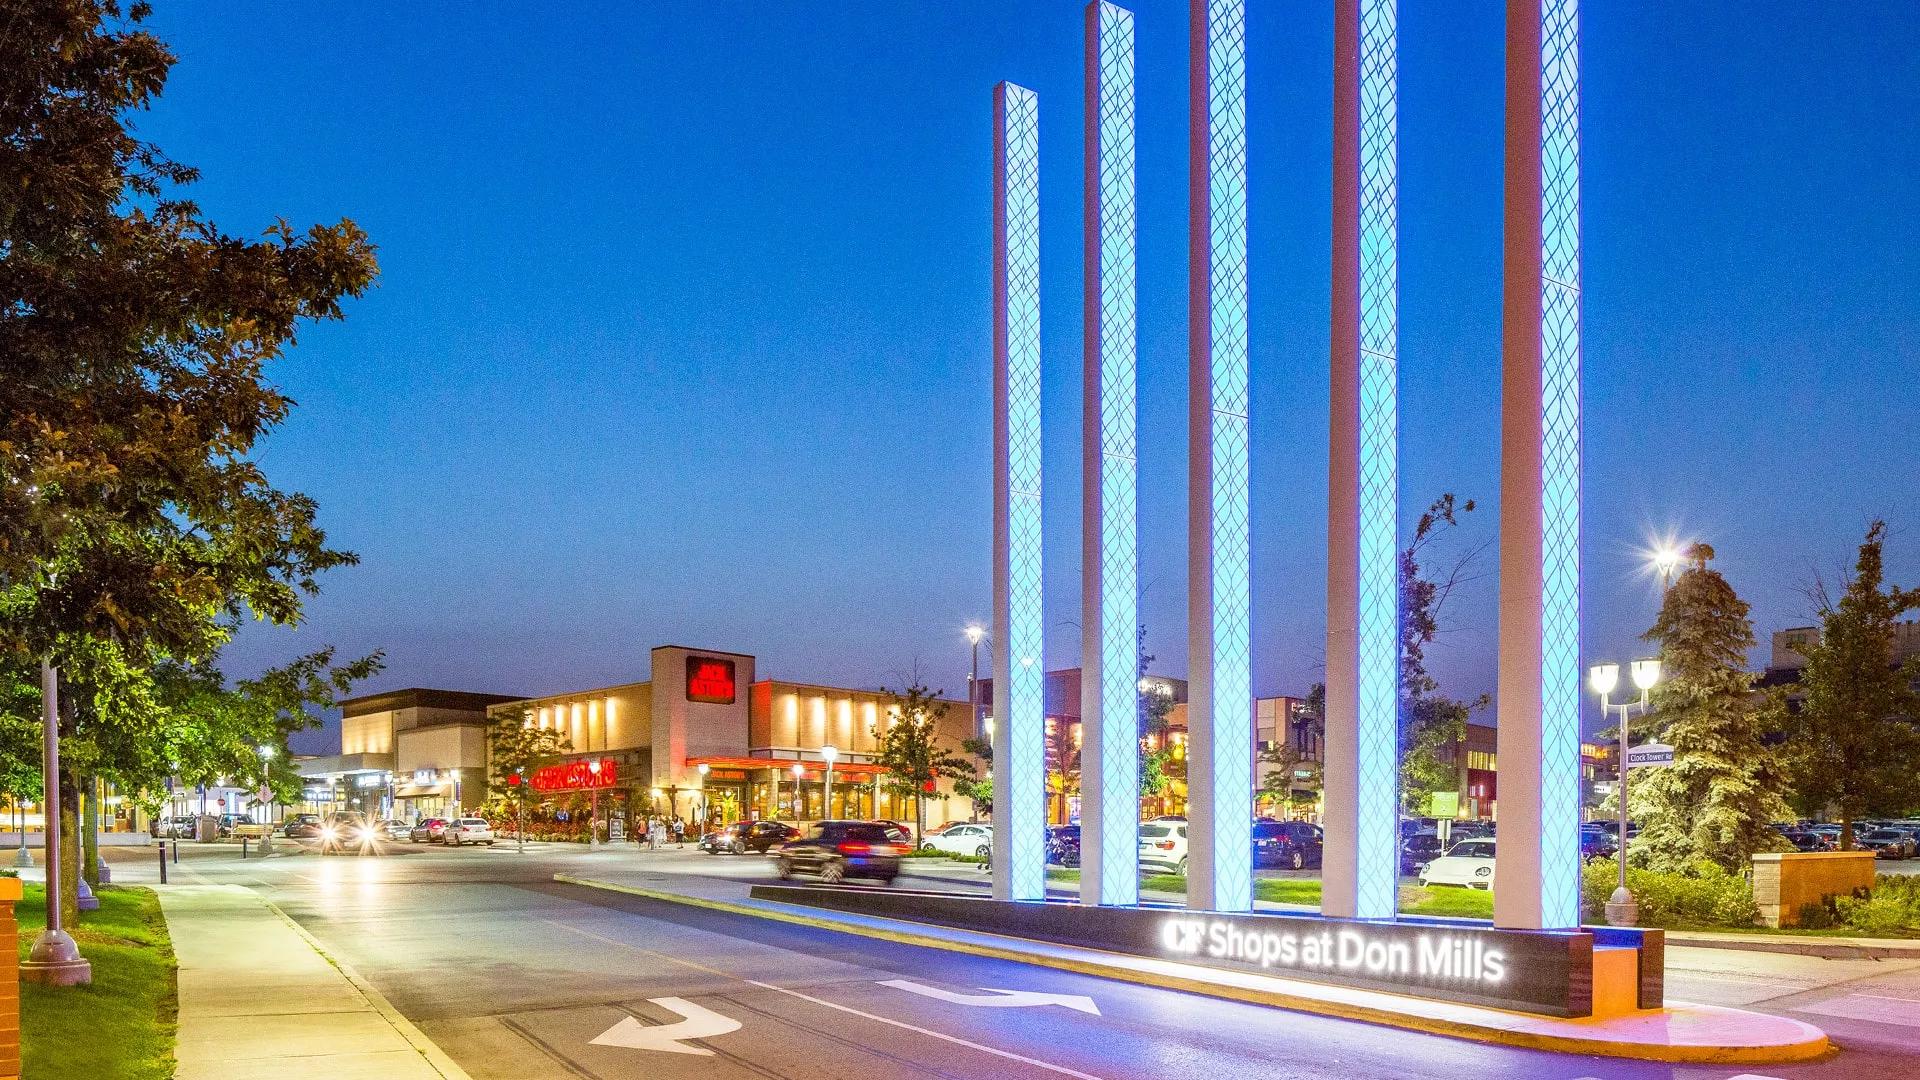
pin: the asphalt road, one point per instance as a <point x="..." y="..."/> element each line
<point x="517" y="976"/>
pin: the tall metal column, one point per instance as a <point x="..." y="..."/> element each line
<point x="1019" y="698"/>
<point x="1361" y="869"/>
<point x="1220" y="702"/>
<point x="1537" y="880"/>
<point x="1110" y="609"/>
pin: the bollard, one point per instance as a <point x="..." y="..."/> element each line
<point x="176" y="851"/>
<point x="243" y="847"/>
<point x="163" y="864"/>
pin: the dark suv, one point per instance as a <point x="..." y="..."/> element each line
<point x="744" y="836"/>
<point x="1294" y="845"/>
<point x="837" y="850"/>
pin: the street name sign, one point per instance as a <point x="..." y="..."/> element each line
<point x="1651" y="755"/>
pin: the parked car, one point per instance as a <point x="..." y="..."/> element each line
<point x="301" y="827"/>
<point x="1417" y="851"/>
<point x="1163" y="846"/>
<point x="1807" y="840"/>
<point x="837" y="850"/>
<point x="1291" y="845"/>
<point x="252" y="830"/>
<point x="467" y="830"/>
<point x="1888" y="844"/>
<point x="744" y="836"/>
<point x="1468" y="864"/>
<point x="395" y="829"/>
<point x="228" y="821"/>
<point x="428" y="830"/>
<point x="969" y="838"/>
<point x="1063" y="845"/>
<point x="346" y="831"/>
<point x="1597" y="843"/>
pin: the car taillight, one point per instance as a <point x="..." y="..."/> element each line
<point x="1165" y="845"/>
<point x="851" y="848"/>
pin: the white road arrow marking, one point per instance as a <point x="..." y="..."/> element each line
<point x="998" y="999"/>
<point x="697" y="1023"/>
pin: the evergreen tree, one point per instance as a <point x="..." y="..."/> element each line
<point x="1853" y="746"/>
<point x="1726" y="784"/>
<point x="516" y="747"/>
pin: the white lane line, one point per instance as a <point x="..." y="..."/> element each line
<point x="956" y="1040"/>
<point x="998" y="999"/>
<point x="1873" y="1008"/>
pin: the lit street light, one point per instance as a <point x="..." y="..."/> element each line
<point x="1666" y="561"/>
<point x="974" y="634"/>
<point x="1622" y="909"/>
<point x="593" y="806"/>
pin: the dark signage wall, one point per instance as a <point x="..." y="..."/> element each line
<point x="710" y="680"/>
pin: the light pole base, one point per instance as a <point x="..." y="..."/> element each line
<point x="55" y="960"/>
<point x="1622" y="909"/>
<point x="22" y="857"/>
<point x="106" y="875"/>
<point x="86" y="901"/>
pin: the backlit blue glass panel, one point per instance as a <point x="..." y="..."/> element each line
<point x="1118" y="755"/>
<point x="1377" y="829"/>
<point x="1025" y="768"/>
<point x="1560" y="464"/>
<point x="1231" y="707"/>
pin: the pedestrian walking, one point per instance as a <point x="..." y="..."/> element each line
<point x="679" y="831"/>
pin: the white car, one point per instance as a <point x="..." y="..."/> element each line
<point x="1163" y="846"/>
<point x="468" y="830"/>
<point x="395" y="829"/>
<point x="1468" y="864"/>
<point x="967" y="838"/>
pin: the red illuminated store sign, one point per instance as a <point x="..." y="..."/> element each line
<point x="577" y="776"/>
<point x="709" y="680"/>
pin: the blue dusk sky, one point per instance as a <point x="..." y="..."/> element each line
<point x="682" y="331"/>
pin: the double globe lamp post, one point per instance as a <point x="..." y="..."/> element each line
<point x="1622" y="909"/>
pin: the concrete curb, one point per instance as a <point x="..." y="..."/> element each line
<point x="1834" y="949"/>
<point x="416" y="1038"/>
<point x="1779" y="1054"/>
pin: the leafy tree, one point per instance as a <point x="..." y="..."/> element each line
<point x="1158" y="766"/>
<point x="1432" y="726"/>
<point x="910" y="749"/>
<point x="1853" y="746"/>
<point x="969" y="782"/>
<point x="137" y="530"/>
<point x="1726" y="784"/>
<point x="1063" y="760"/>
<point x="518" y="747"/>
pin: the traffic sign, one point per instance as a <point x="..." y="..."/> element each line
<point x="1651" y="755"/>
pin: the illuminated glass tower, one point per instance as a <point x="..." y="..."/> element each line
<point x="1019" y="705"/>
<point x="1109" y="690"/>
<point x="1362" y="860"/>
<point x="1220" y="705"/>
<point x="1537" y="879"/>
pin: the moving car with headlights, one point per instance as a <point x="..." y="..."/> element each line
<point x="1163" y="845"/>
<point x="969" y="838"/>
<point x="744" y="836"/>
<point x="346" y="831"/>
<point x="1467" y="864"/>
<point x="428" y="830"/>
<point x="467" y="830"/>
<point x="837" y="850"/>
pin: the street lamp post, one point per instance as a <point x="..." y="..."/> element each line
<point x="974" y="634"/>
<point x="798" y="771"/>
<point x="829" y="753"/>
<point x="520" y="813"/>
<point x="55" y="959"/>
<point x="266" y="785"/>
<point x="706" y="807"/>
<point x="1622" y="909"/>
<point x="593" y="806"/>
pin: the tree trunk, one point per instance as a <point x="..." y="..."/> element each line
<point x="919" y="818"/>
<point x="1846" y="831"/>
<point x="69" y="825"/>
<point x="90" y="834"/>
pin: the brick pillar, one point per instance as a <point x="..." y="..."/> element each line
<point x="9" y="980"/>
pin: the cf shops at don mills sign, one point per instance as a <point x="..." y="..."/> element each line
<point x="1431" y="955"/>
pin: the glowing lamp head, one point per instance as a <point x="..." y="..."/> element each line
<point x="704" y="769"/>
<point x="798" y="770"/>
<point x="593" y="767"/>
<point x="1646" y="673"/>
<point x="1603" y="678"/>
<point x="974" y="634"/>
<point x="830" y="753"/>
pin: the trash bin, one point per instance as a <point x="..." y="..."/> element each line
<point x="206" y="828"/>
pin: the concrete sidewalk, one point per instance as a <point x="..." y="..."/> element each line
<point x="259" y="997"/>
